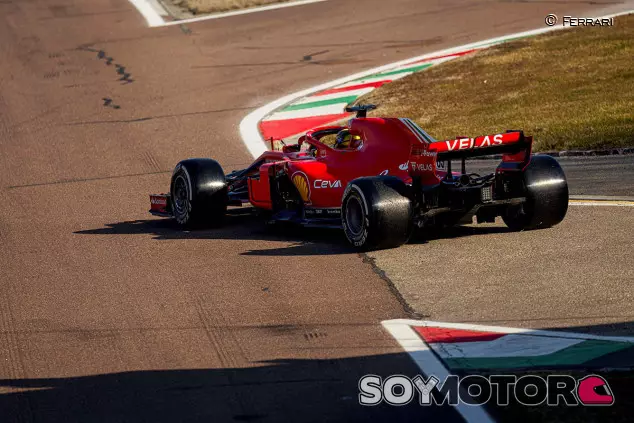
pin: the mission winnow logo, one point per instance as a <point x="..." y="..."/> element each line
<point x="476" y="390"/>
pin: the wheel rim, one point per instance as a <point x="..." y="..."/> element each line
<point x="354" y="215"/>
<point x="180" y="195"/>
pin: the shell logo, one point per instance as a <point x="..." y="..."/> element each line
<point x="300" y="180"/>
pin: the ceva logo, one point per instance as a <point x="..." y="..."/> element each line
<point x="323" y="183"/>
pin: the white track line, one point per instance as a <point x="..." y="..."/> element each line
<point x="430" y="364"/>
<point x="601" y="203"/>
<point x="152" y="17"/>
<point x="249" y="126"/>
<point x="627" y="199"/>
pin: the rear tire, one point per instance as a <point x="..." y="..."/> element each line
<point x="198" y="193"/>
<point x="376" y="213"/>
<point x="546" y="191"/>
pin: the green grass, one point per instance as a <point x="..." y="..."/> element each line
<point x="570" y="89"/>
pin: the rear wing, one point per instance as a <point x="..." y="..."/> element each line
<point x="514" y="147"/>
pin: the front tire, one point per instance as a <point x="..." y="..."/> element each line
<point x="376" y="213"/>
<point x="198" y="193"/>
<point x="546" y="191"/>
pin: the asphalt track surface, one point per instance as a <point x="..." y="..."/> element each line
<point x="107" y="315"/>
<point x="593" y="175"/>
<point x="576" y="275"/>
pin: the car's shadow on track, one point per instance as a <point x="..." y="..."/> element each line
<point x="271" y="391"/>
<point x="241" y="224"/>
<point x="451" y="232"/>
<point x="276" y="390"/>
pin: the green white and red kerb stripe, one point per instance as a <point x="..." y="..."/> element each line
<point x="461" y="349"/>
<point x="328" y="106"/>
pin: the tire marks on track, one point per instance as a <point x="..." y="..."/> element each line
<point x="226" y="346"/>
<point x="96" y="178"/>
<point x="223" y="346"/>
<point x="13" y="368"/>
<point x="151" y="162"/>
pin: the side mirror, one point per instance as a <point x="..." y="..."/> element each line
<point x="362" y="109"/>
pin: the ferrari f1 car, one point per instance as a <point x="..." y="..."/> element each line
<point x="382" y="179"/>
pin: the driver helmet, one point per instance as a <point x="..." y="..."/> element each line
<point x="346" y="140"/>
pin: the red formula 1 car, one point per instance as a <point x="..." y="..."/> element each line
<point x="384" y="178"/>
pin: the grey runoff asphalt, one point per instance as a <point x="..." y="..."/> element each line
<point x="599" y="175"/>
